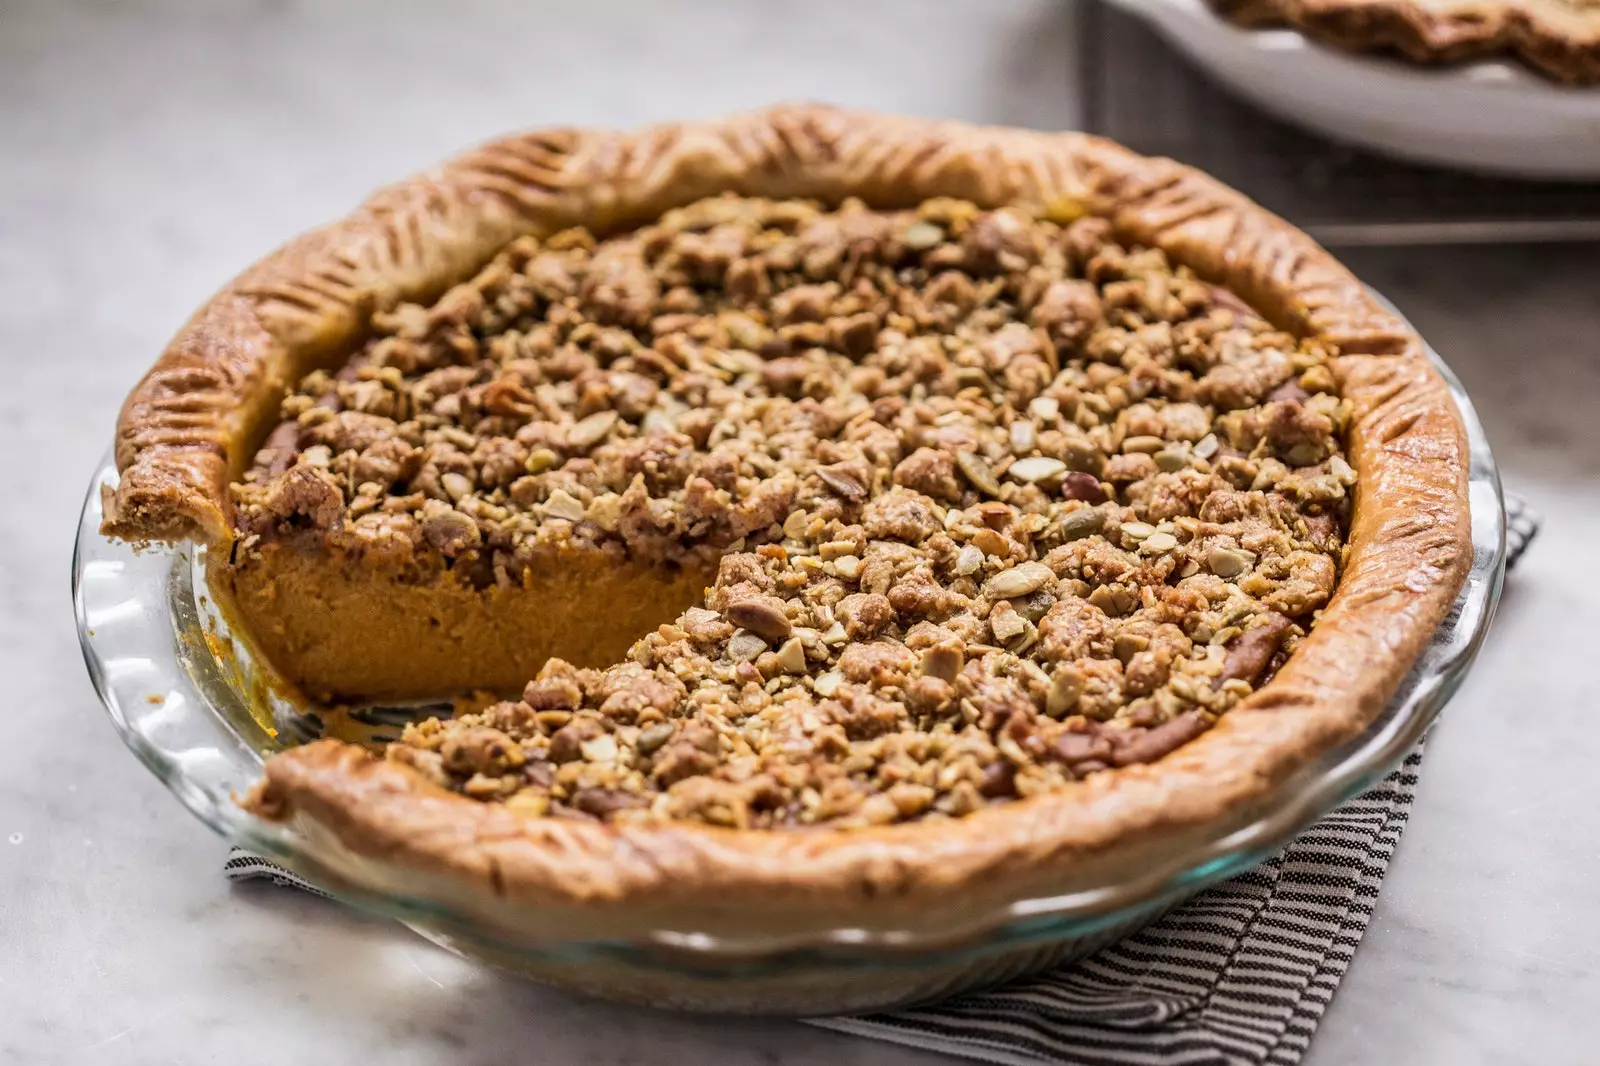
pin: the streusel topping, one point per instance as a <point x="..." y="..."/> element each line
<point x="999" y="503"/>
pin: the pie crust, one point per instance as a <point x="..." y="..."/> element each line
<point x="192" y="426"/>
<point x="1558" y="38"/>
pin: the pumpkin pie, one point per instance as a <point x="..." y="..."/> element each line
<point x="830" y="508"/>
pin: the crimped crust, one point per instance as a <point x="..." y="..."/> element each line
<point x="192" y="423"/>
<point x="1558" y="38"/>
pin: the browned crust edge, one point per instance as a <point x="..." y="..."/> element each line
<point x="1564" y="46"/>
<point x="190" y="421"/>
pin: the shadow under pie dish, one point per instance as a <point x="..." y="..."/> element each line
<point x="1020" y="469"/>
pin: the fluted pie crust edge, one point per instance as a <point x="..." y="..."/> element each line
<point x="1557" y="38"/>
<point x="193" y="422"/>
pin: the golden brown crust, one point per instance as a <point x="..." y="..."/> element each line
<point x="1559" y="38"/>
<point x="1410" y="547"/>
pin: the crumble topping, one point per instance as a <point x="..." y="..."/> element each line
<point x="999" y="503"/>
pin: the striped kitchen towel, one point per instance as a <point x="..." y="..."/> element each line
<point x="1239" y="974"/>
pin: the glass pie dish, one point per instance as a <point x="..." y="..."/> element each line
<point x="190" y="704"/>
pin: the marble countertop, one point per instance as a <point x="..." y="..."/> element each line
<point x="152" y="149"/>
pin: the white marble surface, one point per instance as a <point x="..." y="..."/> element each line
<point x="147" y="151"/>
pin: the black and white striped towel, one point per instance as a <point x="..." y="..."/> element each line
<point x="1239" y="974"/>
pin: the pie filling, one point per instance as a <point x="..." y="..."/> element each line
<point x="987" y="502"/>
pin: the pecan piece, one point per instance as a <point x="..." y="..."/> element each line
<point x="761" y="615"/>
<point x="1080" y="486"/>
<point x="480" y="749"/>
<point x="604" y="802"/>
<point x="843" y="481"/>
<point x="1252" y="650"/>
<point x="1143" y="746"/>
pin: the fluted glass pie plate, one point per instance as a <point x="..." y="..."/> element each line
<point x="191" y="707"/>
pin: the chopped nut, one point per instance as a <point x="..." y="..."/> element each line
<point x="1171" y="460"/>
<point x="1158" y="542"/>
<point x="989" y="542"/>
<point x="1075" y="525"/>
<point x="1317" y="379"/>
<point x="847" y="567"/>
<point x="480" y="749"/>
<point x="1114" y="600"/>
<point x="1006" y="623"/>
<point x="1249" y="655"/>
<point x="1144" y="445"/>
<point x="792" y="657"/>
<point x="550" y="721"/>
<point x="449" y="530"/>
<point x="920" y="236"/>
<point x="943" y="661"/>
<point x="763" y="616"/>
<point x="1145" y="746"/>
<point x="964" y="798"/>
<point x="836" y="549"/>
<point x="911" y="799"/>
<point x="842" y="482"/>
<point x="995" y="515"/>
<point x="1018" y="581"/>
<point x="1034" y="605"/>
<point x="562" y="504"/>
<point x="530" y="803"/>
<point x="1080" y="486"/>
<point x="653" y="737"/>
<point x="1228" y="562"/>
<point x="795" y="525"/>
<point x="604" y="802"/>
<point x="605" y="511"/>
<point x="1066" y="685"/>
<point x="1127" y="645"/>
<point x="878" y="810"/>
<point x="1044" y="408"/>
<point x="482" y="786"/>
<point x="591" y="431"/>
<point x="744" y="646"/>
<point x="969" y="560"/>
<point x="1037" y="468"/>
<point x="826" y="684"/>
<point x="978" y="473"/>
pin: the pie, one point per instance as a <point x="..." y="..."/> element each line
<point x="810" y="509"/>
<point x="1558" y="38"/>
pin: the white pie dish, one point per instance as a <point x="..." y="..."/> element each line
<point x="1492" y="116"/>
